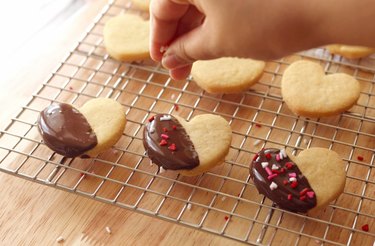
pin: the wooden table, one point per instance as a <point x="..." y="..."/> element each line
<point x="33" y="214"/>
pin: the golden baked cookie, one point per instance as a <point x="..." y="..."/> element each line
<point x="191" y="148"/>
<point x="142" y="4"/>
<point x="309" y="92"/>
<point x="126" y="37"/>
<point x="227" y="75"/>
<point x="300" y="183"/>
<point x="85" y="131"/>
<point x="351" y="52"/>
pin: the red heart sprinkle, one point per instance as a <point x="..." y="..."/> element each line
<point x="165" y="129"/>
<point x="294" y="184"/>
<point x="172" y="147"/>
<point x="226" y="217"/>
<point x="268" y="156"/>
<point x="365" y="227"/>
<point x="290" y="197"/>
<point x="163" y="142"/>
<point x="151" y="118"/>
<point x="174" y="127"/>
<point x="285" y="182"/>
<point x="360" y="158"/>
<point x="289" y="165"/>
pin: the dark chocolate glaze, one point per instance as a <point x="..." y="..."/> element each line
<point x="280" y="194"/>
<point x="183" y="157"/>
<point x="65" y="130"/>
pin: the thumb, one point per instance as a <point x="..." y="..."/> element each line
<point x="186" y="49"/>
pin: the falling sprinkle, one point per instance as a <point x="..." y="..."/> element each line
<point x="60" y="239"/>
<point x="360" y="158"/>
<point x="161" y="170"/>
<point x="151" y="118"/>
<point x="165" y="118"/>
<point x="189" y="206"/>
<point x="318" y="241"/>
<point x="163" y="49"/>
<point x="108" y="230"/>
<point x="176" y="107"/>
<point x="258" y="125"/>
<point x="226" y="218"/>
<point x="365" y="227"/>
<point x="70" y="88"/>
<point x="173" y="96"/>
<point x="256" y="142"/>
<point x="83" y="175"/>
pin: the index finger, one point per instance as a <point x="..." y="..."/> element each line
<point x="164" y="20"/>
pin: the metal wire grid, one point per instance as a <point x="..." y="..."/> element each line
<point x="223" y="201"/>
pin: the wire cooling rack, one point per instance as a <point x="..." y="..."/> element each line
<point x="223" y="201"/>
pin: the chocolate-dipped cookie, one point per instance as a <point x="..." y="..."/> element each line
<point x="299" y="183"/>
<point x="84" y="131"/>
<point x="190" y="148"/>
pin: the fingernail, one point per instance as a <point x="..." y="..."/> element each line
<point x="171" y="61"/>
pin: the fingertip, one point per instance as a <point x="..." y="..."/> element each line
<point x="180" y="73"/>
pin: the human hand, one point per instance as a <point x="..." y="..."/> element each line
<point x="207" y="29"/>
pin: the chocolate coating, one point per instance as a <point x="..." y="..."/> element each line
<point x="65" y="130"/>
<point x="298" y="200"/>
<point x="161" y="151"/>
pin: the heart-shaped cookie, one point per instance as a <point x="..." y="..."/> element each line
<point x="309" y="92"/>
<point x="126" y="37"/>
<point x="142" y="4"/>
<point x="227" y="74"/>
<point x="85" y="131"/>
<point x="351" y="52"/>
<point x="190" y="148"/>
<point x="300" y="183"/>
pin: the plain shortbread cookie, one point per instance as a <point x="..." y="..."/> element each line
<point x="126" y="37"/>
<point x="227" y="75"/>
<point x="309" y="92"/>
<point x="351" y="52"/>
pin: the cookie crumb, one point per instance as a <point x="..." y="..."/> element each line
<point x="189" y="206"/>
<point x="256" y="142"/>
<point x="60" y="239"/>
<point x="108" y="230"/>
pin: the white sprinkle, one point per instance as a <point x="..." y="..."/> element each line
<point x="264" y="164"/>
<point x="165" y="117"/>
<point x="256" y="142"/>
<point x="283" y="154"/>
<point x="319" y="242"/>
<point x="291" y="179"/>
<point x="189" y="206"/>
<point x="115" y="151"/>
<point x="273" y="186"/>
<point x="161" y="170"/>
<point x="60" y="239"/>
<point x="274" y="167"/>
<point x="108" y="230"/>
<point x="173" y="96"/>
<point x="163" y="49"/>
<point x="152" y="128"/>
<point x="305" y="141"/>
<point x="223" y="198"/>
